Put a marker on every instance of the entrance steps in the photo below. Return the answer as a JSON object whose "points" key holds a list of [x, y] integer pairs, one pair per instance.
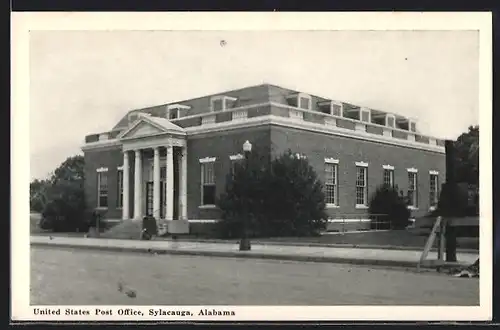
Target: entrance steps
{"points": [[127, 229]]}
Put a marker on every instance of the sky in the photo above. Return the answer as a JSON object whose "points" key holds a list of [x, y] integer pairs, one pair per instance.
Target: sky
{"points": [[83, 82]]}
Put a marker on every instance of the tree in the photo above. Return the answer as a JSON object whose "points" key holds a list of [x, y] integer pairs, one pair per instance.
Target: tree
{"points": [[388, 209], [244, 195], [282, 197], [64, 198], [296, 201], [467, 156], [38, 195]]}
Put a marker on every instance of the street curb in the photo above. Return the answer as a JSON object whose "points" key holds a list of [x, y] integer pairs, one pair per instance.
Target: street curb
{"points": [[299, 244], [337, 245], [241, 254]]}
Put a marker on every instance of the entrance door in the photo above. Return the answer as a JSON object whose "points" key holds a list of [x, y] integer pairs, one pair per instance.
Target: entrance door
{"points": [[149, 198]]}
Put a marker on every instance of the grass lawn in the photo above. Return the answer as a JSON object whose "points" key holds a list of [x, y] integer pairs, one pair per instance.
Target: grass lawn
{"points": [[396, 238]]}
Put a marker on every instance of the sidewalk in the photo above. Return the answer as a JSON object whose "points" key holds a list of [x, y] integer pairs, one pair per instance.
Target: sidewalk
{"points": [[374, 257]]}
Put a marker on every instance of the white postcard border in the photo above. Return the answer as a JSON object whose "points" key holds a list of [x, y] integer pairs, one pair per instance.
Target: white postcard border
{"points": [[22, 23]]}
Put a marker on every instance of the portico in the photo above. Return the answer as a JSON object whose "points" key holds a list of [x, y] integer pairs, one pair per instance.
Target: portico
{"points": [[158, 151]]}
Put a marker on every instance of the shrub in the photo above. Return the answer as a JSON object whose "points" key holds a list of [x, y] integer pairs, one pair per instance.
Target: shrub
{"points": [[388, 209], [283, 197]]}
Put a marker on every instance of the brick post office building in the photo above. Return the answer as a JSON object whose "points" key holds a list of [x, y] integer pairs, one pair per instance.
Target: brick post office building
{"points": [[171, 161]]}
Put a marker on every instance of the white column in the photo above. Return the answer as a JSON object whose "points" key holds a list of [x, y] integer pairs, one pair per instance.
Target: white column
{"points": [[138, 185], [183, 185], [156, 183], [125, 187], [169, 214]]}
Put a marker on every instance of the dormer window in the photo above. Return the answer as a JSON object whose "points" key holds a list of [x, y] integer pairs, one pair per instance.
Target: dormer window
{"points": [[175, 111], [221, 103], [305, 102], [132, 117], [331, 107], [390, 121], [413, 126], [300, 100], [365, 115]]}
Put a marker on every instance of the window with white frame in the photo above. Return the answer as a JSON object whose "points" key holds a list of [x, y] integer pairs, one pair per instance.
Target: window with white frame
{"points": [[102, 188], [217, 104], [389, 177], [221, 103], [235, 161], [365, 115], [119, 203], [434, 190], [361, 186], [173, 113], [208, 183], [336, 110], [132, 117], [331, 185], [391, 121], [412, 188], [304, 102]]}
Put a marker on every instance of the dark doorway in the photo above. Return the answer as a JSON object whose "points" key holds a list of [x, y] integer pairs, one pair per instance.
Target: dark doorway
{"points": [[149, 198]]}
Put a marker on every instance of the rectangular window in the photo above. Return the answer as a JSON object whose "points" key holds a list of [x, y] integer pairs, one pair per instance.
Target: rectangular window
{"points": [[304, 103], [361, 186], [217, 105], [389, 177], [234, 163], [208, 183], [365, 116], [173, 113], [120, 189], [413, 127], [102, 189], [331, 192], [132, 117], [390, 121], [229, 103], [412, 189], [336, 109], [434, 193]]}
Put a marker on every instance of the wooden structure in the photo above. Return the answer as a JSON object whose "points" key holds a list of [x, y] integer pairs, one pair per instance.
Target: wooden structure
{"points": [[454, 217]]}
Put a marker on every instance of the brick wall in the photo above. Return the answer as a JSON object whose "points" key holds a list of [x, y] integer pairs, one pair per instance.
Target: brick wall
{"points": [[110, 158], [220, 145], [317, 146]]}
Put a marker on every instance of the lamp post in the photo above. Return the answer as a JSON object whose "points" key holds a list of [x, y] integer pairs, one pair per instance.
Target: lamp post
{"points": [[245, 241]]}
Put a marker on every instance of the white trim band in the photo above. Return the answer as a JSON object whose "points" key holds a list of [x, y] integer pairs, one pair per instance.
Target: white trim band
{"points": [[331, 161], [388, 167], [363, 164], [178, 106], [412, 170], [119, 168], [432, 172], [202, 220], [102, 169], [236, 157], [337, 220], [207, 160]]}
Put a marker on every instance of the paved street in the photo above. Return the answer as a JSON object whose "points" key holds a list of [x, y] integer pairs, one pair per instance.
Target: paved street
{"points": [[88, 277]]}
